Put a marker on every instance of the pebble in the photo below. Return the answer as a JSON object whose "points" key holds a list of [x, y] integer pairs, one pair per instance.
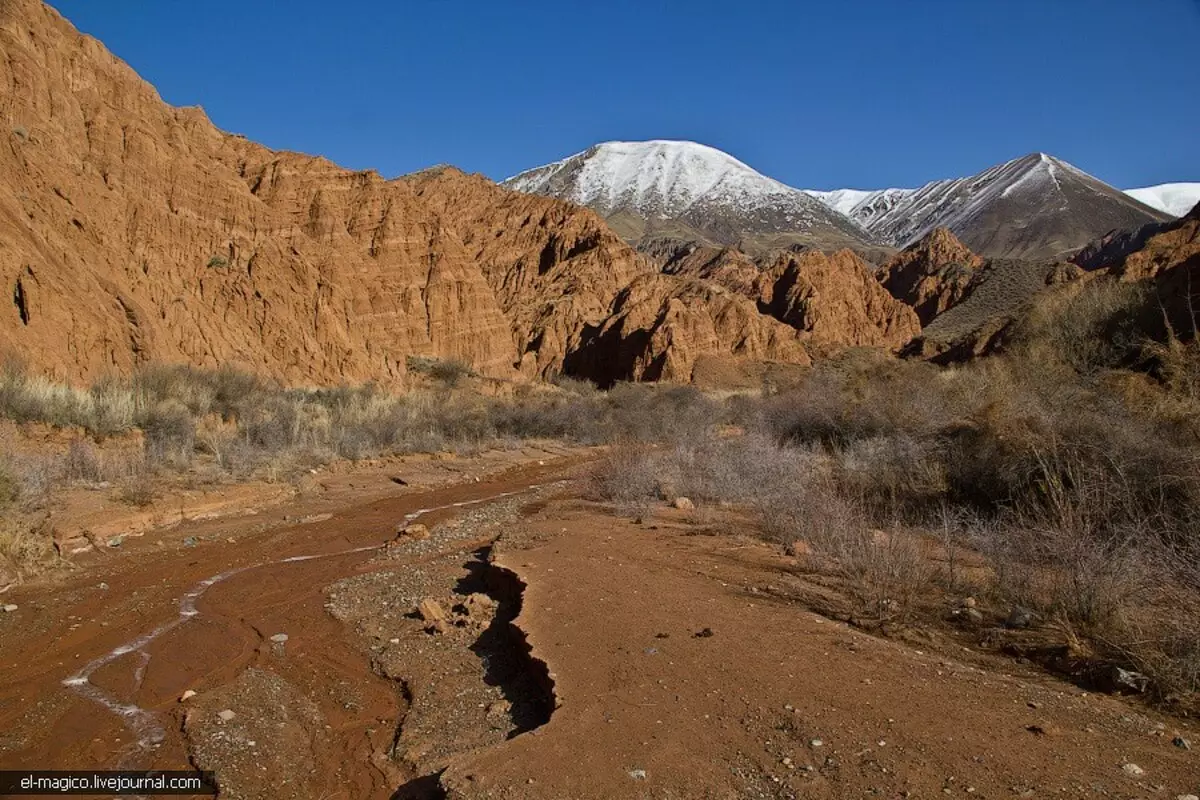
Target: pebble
{"points": [[9, 607], [816, 743], [1019, 618], [226, 715], [1133, 769], [1181, 743], [279, 638], [187, 695], [414, 531], [637, 774]]}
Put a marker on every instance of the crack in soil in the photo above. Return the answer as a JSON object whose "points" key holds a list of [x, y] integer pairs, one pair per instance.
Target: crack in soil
{"points": [[504, 649], [144, 724], [508, 664]]}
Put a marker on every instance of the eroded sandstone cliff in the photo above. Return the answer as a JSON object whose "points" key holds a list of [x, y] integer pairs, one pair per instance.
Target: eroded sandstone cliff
{"points": [[133, 232]]}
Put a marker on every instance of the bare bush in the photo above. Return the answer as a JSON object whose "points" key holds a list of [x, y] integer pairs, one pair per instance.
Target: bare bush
{"points": [[629, 477], [82, 462], [26, 548], [1090, 328]]}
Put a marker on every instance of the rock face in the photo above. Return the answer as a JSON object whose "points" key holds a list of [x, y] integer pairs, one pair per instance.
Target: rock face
{"points": [[135, 232], [836, 299], [132, 232], [1168, 258], [932, 274], [660, 326], [998, 295]]}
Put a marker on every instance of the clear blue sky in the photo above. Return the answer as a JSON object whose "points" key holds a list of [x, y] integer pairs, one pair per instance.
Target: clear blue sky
{"points": [[829, 94]]}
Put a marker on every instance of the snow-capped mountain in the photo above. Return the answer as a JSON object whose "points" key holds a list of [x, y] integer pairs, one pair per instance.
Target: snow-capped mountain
{"points": [[1036, 206], [689, 190], [1176, 199]]}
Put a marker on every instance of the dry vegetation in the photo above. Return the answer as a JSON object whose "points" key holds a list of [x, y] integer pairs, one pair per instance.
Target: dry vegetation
{"points": [[1059, 483], [212, 426]]}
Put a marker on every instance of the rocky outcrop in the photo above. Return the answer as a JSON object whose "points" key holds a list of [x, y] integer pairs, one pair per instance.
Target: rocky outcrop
{"points": [[832, 298], [835, 299], [660, 327], [1167, 258], [726, 266], [556, 269], [135, 232], [1173, 246], [1000, 294], [932, 274]]}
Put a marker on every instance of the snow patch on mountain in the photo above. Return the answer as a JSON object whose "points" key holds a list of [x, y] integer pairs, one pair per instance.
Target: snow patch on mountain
{"points": [[901, 216], [664, 180], [1176, 199]]}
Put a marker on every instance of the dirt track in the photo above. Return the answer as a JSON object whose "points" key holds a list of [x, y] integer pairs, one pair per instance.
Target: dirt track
{"points": [[361, 702]]}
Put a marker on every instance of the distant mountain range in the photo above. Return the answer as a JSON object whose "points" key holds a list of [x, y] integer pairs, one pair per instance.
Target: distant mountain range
{"points": [[688, 191], [1034, 207]]}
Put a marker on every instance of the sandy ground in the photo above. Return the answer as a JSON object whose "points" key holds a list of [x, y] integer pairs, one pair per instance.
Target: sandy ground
{"points": [[574, 654]]}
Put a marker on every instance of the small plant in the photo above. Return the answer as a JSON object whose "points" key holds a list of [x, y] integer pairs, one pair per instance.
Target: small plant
{"points": [[218, 262], [10, 487], [82, 462], [448, 371], [137, 488]]}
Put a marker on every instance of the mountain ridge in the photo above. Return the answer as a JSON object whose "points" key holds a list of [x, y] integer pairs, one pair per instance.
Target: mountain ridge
{"points": [[668, 187], [1036, 206]]}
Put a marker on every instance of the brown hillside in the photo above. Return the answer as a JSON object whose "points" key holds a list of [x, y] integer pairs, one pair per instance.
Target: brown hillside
{"points": [[931, 274], [137, 232], [134, 232], [836, 299]]}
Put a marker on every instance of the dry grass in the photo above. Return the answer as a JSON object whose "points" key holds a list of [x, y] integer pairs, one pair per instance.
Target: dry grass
{"points": [[1067, 472]]}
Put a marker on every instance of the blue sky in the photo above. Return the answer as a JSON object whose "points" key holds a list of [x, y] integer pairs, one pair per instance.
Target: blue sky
{"points": [[830, 94]]}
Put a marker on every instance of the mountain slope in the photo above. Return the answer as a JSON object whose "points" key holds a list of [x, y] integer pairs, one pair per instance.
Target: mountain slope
{"points": [[134, 233], [689, 191], [1176, 199], [1034, 207]]}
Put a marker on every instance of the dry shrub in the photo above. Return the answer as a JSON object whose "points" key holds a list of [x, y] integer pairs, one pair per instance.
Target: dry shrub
{"points": [[630, 477], [26, 549], [138, 489], [82, 462], [10, 486], [1089, 327]]}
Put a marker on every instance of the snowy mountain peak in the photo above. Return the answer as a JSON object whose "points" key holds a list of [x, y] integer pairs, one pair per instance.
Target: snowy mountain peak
{"points": [[697, 185], [660, 177], [1035, 206], [1176, 199]]}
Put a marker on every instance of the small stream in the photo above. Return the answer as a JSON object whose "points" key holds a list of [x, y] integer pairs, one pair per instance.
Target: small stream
{"points": [[144, 724]]}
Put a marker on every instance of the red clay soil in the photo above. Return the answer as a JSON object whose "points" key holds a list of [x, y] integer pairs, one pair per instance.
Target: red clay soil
{"points": [[680, 673], [106, 604], [682, 667]]}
